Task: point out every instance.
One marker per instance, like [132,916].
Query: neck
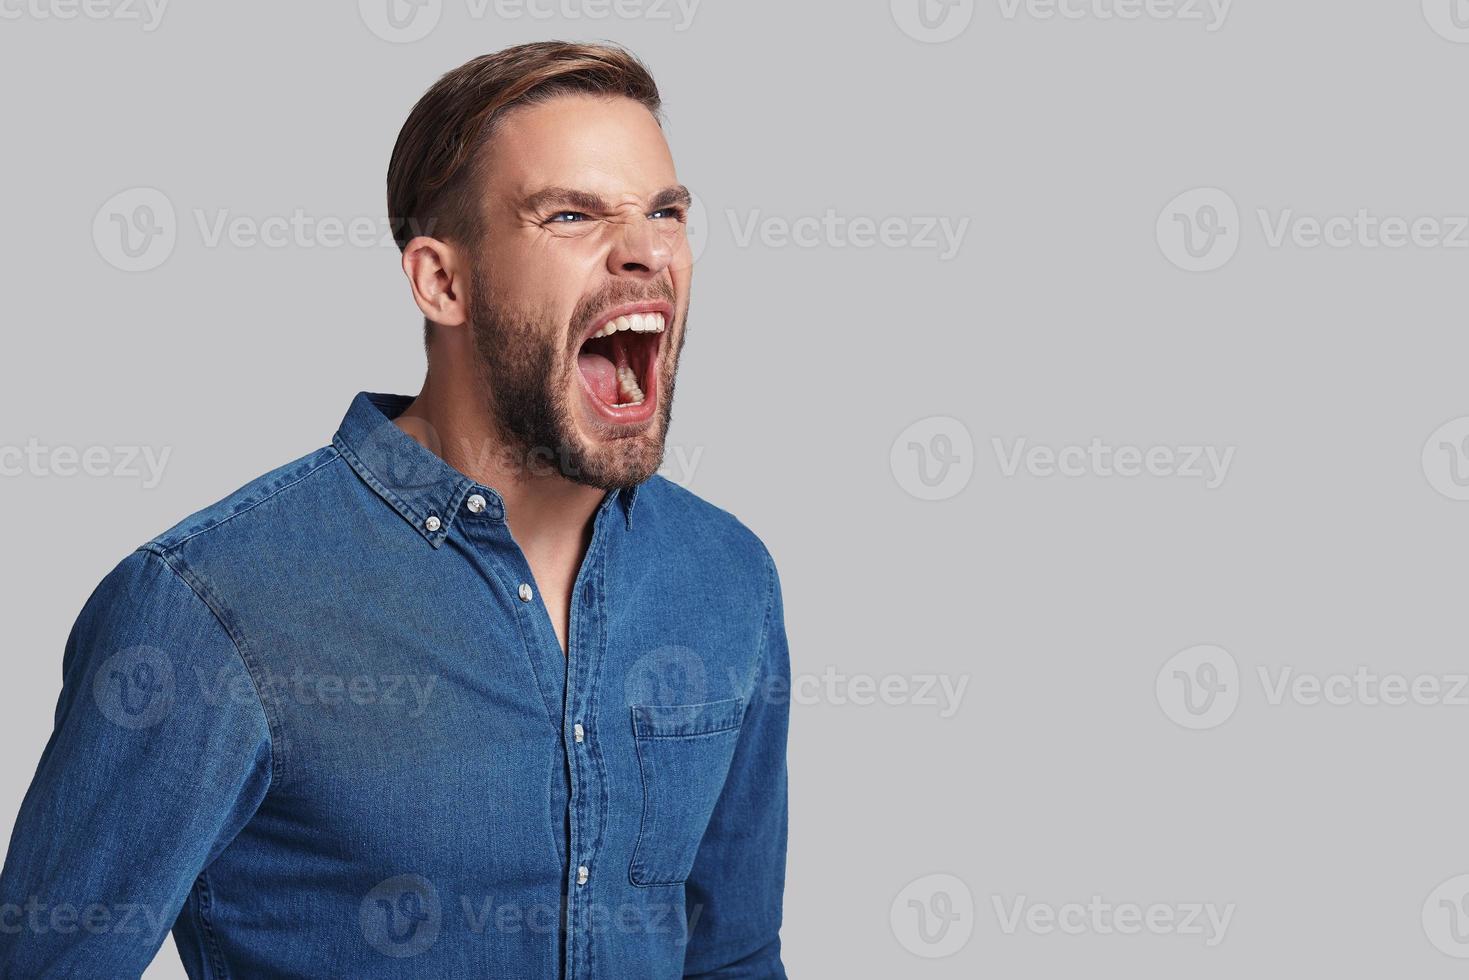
[450,417]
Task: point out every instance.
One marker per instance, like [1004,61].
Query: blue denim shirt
[324,728]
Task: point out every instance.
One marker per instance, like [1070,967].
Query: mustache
[614,294]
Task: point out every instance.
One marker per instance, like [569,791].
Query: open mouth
[618,361]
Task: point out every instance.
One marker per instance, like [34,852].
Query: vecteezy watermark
[1449,18]
[933,916]
[1446,917]
[1098,917]
[406,21]
[409,692]
[942,234]
[1210,464]
[134,687]
[1362,687]
[1199,687]
[137,229]
[933,459]
[831,686]
[1446,459]
[1200,230]
[1211,13]
[402,916]
[144,463]
[146,13]
[37,917]
[932,21]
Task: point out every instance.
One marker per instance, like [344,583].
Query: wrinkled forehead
[609,146]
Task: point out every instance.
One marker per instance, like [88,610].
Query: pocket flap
[681,720]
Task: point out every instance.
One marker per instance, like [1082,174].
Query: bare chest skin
[555,566]
[554,585]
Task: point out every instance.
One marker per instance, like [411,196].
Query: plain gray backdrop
[1095,371]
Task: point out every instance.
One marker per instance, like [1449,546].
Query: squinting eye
[567,217]
[675,213]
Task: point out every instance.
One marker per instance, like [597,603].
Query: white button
[525,592]
[581,874]
[577,732]
[432,523]
[476,503]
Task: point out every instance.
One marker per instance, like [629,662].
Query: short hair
[432,186]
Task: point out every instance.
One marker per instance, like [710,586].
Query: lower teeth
[627,385]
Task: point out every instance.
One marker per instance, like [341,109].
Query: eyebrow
[548,198]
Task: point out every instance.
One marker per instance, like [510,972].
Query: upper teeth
[637,322]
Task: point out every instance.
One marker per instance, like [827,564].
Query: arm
[159,755]
[733,897]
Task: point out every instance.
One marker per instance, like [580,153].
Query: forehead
[605,145]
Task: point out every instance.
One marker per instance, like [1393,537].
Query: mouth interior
[617,366]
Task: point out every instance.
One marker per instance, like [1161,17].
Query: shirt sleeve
[160,753]
[733,897]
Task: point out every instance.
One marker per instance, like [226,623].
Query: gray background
[1067,770]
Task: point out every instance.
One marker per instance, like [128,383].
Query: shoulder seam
[769,608]
[159,548]
[272,723]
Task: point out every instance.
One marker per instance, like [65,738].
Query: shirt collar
[425,490]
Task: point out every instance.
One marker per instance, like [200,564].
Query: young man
[470,691]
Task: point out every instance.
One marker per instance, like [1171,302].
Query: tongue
[601,376]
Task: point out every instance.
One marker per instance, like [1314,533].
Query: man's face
[580,287]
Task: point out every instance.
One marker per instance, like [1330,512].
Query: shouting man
[470,691]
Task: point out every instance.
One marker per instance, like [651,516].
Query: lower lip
[628,414]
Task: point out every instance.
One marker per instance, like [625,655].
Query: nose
[639,250]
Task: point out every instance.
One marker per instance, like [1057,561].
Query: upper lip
[626,309]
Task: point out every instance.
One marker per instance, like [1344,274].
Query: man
[470,691]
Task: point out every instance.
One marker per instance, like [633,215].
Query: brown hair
[431,175]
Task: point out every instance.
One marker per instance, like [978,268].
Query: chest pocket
[684,752]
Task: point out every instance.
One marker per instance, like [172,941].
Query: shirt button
[525,592]
[432,523]
[476,503]
[581,874]
[579,733]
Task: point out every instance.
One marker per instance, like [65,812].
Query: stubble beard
[522,359]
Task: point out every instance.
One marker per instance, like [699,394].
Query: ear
[439,275]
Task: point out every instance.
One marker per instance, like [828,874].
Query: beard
[528,364]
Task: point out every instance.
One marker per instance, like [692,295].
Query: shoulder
[295,485]
[686,523]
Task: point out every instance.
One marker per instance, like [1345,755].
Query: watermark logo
[944,692]
[1208,464]
[1449,18]
[135,230]
[667,675]
[1446,459]
[401,917]
[933,916]
[1446,917]
[147,13]
[134,688]
[1211,13]
[1199,688]
[1099,917]
[939,233]
[401,21]
[143,463]
[932,21]
[1199,230]
[933,459]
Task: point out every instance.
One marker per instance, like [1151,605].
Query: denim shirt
[324,728]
